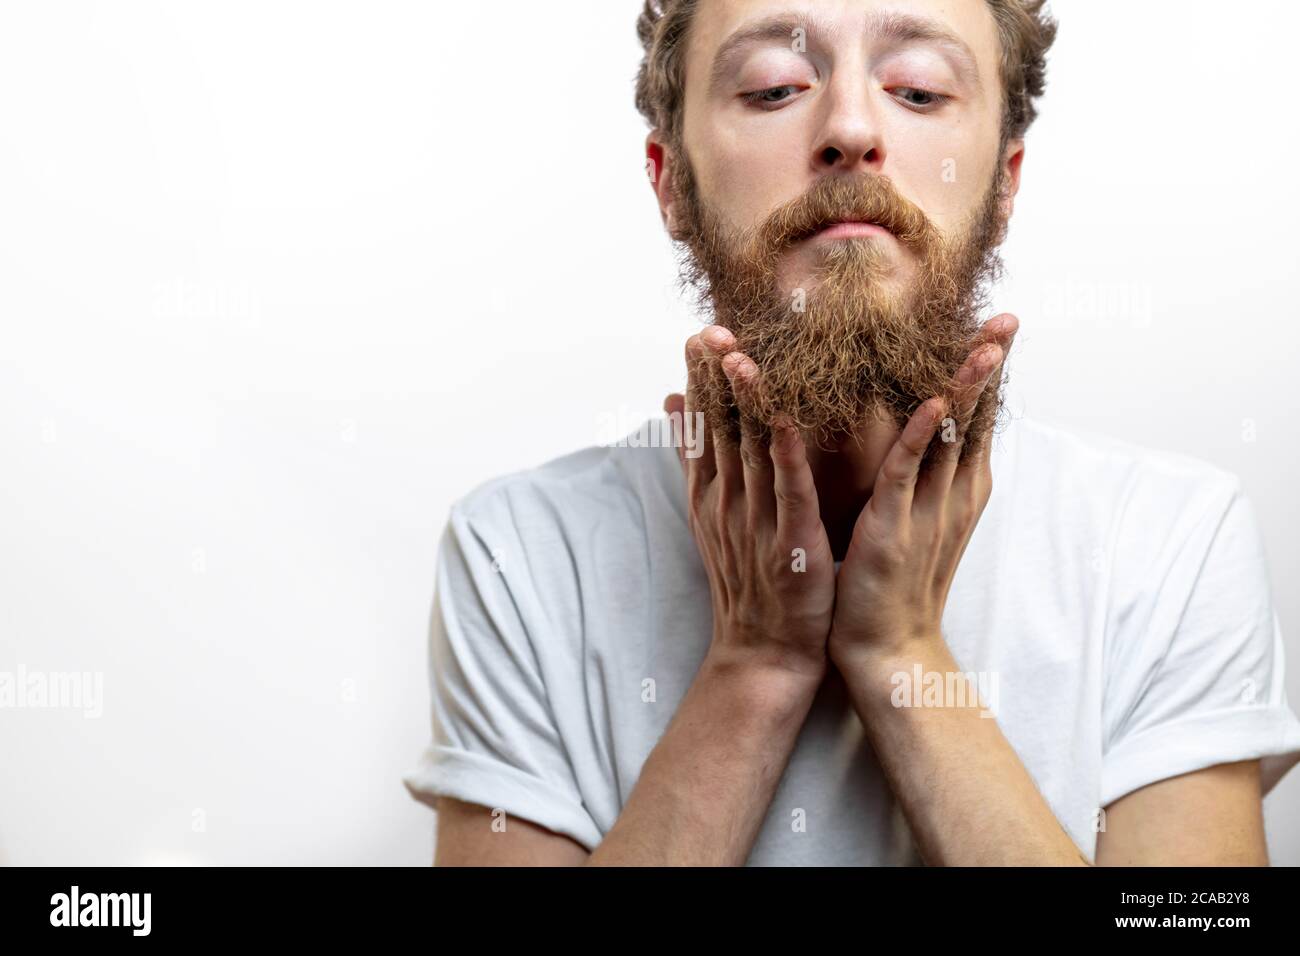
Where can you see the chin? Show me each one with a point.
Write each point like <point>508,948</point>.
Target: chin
<point>863,260</point>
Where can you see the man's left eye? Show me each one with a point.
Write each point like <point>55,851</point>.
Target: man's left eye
<point>922,99</point>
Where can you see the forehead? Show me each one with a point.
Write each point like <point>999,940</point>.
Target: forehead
<point>846,21</point>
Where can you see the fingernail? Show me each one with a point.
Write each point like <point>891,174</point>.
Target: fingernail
<point>714,335</point>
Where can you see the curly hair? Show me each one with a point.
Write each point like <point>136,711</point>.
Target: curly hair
<point>1025,29</point>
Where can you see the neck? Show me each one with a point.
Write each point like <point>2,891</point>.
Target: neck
<point>844,471</point>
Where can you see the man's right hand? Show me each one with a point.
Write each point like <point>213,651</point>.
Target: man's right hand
<point>754,514</point>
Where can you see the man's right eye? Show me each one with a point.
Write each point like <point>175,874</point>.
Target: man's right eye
<point>772,96</point>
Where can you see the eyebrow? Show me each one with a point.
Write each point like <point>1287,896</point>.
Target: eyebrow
<point>780,26</point>
<point>891,26</point>
<point>904,28</point>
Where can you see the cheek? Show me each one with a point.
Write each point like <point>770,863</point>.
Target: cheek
<point>943,167</point>
<point>946,184</point>
<point>745,181</point>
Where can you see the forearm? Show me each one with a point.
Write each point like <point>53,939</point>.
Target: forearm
<point>705,789</point>
<point>968,799</point>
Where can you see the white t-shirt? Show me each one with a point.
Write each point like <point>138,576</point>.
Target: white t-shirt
<point>1115,601</point>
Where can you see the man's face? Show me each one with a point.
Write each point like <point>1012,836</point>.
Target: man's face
<point>802,113</point>
<point>767,115</point>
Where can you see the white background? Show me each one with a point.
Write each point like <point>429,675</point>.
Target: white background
<point>279,280</point>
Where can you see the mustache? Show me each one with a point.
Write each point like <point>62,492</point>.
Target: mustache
<point>843,198</point>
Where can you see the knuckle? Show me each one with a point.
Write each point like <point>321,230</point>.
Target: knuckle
<point>726,506</point>
<point>751,458</point>
<point>890,558</point>
<point>895,473</point>
<point>787,498</point>
<point>935,537</point>
<point>698,495</point>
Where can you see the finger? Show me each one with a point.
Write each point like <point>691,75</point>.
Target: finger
<point>1000,330</point>
<point>702,468</point>
<point>675,409</point>
<point>718,340</point>
<point>968,384</point>
<point>755,463</point>
<point>1004,329</point>
<point>718,343</point>
<point>724,452</point>
<point>798,514</point>
<point>891,497</point>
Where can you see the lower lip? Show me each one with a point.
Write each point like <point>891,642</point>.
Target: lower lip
<point>851,230</point>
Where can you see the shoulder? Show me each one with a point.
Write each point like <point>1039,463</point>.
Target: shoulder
<point>1139,525</point>
<point>1111,478</point>
<point>571,498</point>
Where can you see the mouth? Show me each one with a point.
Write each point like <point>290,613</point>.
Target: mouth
<point>849,229</point>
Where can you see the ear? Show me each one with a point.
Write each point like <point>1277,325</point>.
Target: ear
<point>658,167</point>
<point>1012,160</point>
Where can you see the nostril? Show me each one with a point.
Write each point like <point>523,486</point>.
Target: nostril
<point>832,156</point>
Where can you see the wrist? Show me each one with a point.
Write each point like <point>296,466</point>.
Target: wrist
<point>877,658</point>
<point>875,675</point>
<point>779,673</point>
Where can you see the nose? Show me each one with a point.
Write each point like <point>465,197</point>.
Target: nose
<point>849,139</point>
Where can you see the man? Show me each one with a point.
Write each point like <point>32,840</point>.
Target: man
<point>853,617</point>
